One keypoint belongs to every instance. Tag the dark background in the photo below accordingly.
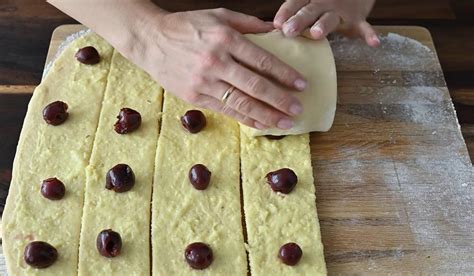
(26, 27)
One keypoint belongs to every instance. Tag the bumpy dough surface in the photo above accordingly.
(274, 219)
(315, 61)
(127, 213)
(55, 151)
(181, 214)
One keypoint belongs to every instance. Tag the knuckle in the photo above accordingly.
(255, 84)
(207, 105)
(227, 110)
(270, 118)
(224, 36)
(191, 97)
(208, 60)
(282, 101)
(287, 76)
(222, 11)
(308, 10)
(284, 9)
(253, 19)
(247, 121)
(243, 104)
(333, 21)
(197, 80)
(229, 69)
(288, 4)
(265, 63)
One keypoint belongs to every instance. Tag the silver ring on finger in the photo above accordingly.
(227, 93)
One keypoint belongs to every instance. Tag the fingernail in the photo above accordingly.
(285, 123)
(376, 39)
(296, 109)
(278, 21)
(317, 29)
(289, 28)
(259, 125)
(300, 84)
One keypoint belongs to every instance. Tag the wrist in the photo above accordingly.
(143, 16)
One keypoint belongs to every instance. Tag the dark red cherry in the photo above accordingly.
(198, 255)
(283, 180)
(193, 120)
(53, 188)
(199, 176)
(40, 254)
(120, 178)
(275, 137)
(290, 253)
(128, 121)
(109, 243)
(55, 113)
(88, 55)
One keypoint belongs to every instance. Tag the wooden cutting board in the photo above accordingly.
(394, 182)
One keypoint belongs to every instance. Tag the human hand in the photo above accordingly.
(326, 16)
(198, 55)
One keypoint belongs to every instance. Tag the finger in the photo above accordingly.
(368, 33)
(326, 24)
(264, 62)
(287, 10)
(216, 105)
(244, 23)
(251, 107)
(257, 110)
(306, 16)
(262, 89)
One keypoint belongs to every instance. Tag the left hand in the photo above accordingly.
(326, 16)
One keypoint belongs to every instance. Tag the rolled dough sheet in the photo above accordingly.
(181, 214)
(127, 213)
(275, 219)
(55, 151)
(313, 59)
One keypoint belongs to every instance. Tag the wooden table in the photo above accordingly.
(393, 177)
(26, 27)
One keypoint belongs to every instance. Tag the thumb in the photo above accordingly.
(244, 23)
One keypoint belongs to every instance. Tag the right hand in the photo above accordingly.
(325, 16)
(198, 55)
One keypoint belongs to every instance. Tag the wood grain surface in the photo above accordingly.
(394, 181)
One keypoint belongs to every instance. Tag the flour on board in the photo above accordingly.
(434, 174)
(395, 51)
(68, 40)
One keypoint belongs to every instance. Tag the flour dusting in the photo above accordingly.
(62, 47)
(418, 147)
(395, 52)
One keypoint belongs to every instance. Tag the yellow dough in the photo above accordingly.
(273, 219)
(61, 151)
(163, 203)
(181, 214)
(315, 61)
(127, 213)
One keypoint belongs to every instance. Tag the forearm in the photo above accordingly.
(120, 22)
(204, 48)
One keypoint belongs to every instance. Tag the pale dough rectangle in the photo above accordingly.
(181, 214)
(275, 219)
(315, 61)
(62, 151)
(127, 213)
